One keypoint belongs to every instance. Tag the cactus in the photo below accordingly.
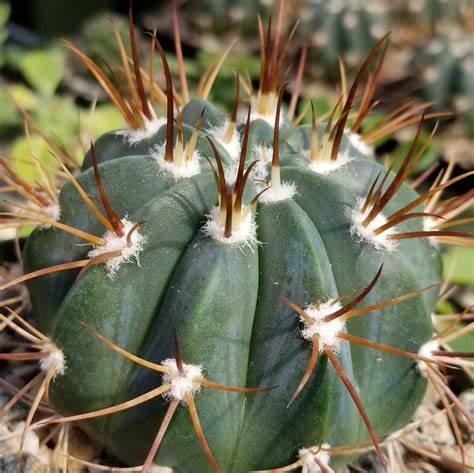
(219, 16)
(433, 17)
(265, 285)
(342, 28)
(447, 68)
(207, 22)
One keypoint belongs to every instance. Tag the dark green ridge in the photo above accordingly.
(342, 404)
(213, 316)
(424, 257)
(136, 179)
(114, 144)
(194, 108)
(123, 308)
(398, 326)
(293, 264)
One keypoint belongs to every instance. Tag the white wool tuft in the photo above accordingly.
(132, 136)
(367, 233)
(430, 224)
(327, 331)
(359, 144)
(286, 190)
(55, 362)
(188, 168)
(326, 167)
(230, 173)
(263, 153)
(114, 243)
(269, 118)
(260, 172)
(243, 237)
(426, 351)
(263, 156)
(32, 446)
(54, 212)
(232, 146)
(308, 459)
(181, 384)
(160, 469)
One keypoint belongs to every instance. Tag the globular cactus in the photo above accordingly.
(342, 28)
(223, 15)
(433, 17)
(214, 18)
(446, 65)
(257, 287)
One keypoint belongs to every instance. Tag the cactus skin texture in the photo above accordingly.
(227, 297)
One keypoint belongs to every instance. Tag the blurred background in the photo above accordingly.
(431, 59)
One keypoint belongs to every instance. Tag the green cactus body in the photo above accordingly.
(226, 303)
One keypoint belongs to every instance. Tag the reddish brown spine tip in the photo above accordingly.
(169, 102)
(276, 130)
(350, 305)
(136, 64)
(177, 353)
(112, 216)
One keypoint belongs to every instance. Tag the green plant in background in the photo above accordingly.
(42, 70)
(45, 86)
(37, 105)
(447, 68)
(57, 17)
(342, 28)
(222, 16)
(275, 275)
(433, 17)
(435, 34)
(96, 39)
(32, 95)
